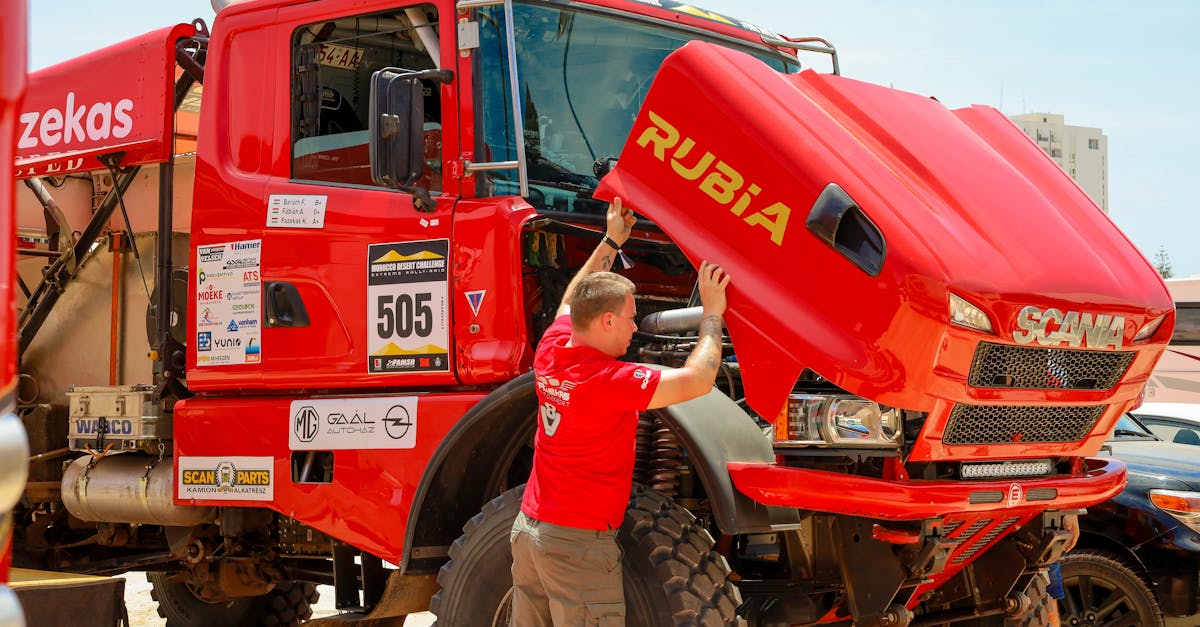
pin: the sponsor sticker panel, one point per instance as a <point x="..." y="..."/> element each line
<point x="407" y="293"/>
<point x="226" y="478"/>
<point x="229" y="304"/>
<point x="353" y="423"/>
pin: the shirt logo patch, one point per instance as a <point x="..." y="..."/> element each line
<point x="644" y="375"/>
<point x="551" y="418"/>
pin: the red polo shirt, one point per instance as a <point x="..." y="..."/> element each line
<point x="584" y="447"/>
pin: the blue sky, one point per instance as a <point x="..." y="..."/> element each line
<point x="1132" y="69"/>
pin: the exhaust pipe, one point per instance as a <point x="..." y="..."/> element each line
<point x="128" y="488"/>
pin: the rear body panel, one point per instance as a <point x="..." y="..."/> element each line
<point x="115" y="99"/>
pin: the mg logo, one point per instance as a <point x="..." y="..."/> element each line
<point x="306" y="423"/>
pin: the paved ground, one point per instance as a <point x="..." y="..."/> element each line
<point x="143" y="611"/>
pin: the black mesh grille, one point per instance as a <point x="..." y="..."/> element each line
<point x="1000" y="366"/>
<point x="984" y="540"/>
<point x="1008" y="424"/>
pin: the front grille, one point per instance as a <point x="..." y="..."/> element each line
<point x="1009" y="424"/>
<point x="1001" y="366"/>
<point x="985" y="539"/>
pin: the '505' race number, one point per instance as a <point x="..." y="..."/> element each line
<point x="401" y="315"/>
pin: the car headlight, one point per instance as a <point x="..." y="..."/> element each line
<point x="1149" y="329"/>
<point x="1183" y="506"/>
<point x="967" y="315"/>
<point x="837" y="420"/>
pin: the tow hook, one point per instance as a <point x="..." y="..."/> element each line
<point x="1017" y="605"/>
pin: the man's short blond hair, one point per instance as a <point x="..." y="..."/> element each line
<point x="597" y="293"/>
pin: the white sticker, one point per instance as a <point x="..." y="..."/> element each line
<point x="226" y="478"/>
<point x="334" y="55"/>
<point x="228" y="304"/>
<point x="297" y="211"/>
<point x="353" y="423"/>
<point x="407" y="288"/>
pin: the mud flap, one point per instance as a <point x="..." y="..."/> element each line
<point x="66" y="599"/>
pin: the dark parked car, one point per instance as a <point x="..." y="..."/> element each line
<point x="1139" y="551"/>
<point x="1173" y="422"/>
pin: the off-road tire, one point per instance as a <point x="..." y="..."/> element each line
<point x="288" y="604"/>
<point x="1038" y="614"/>
<point x="671" y="574"/>
<point x="1108" y="577"/>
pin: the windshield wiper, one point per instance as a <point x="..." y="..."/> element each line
<point x="565" y="185"/>
<point x="1132" y="432"/>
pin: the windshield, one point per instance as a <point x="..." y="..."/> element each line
<point x="583" y="77"/>
<point x="1129" y="428"/>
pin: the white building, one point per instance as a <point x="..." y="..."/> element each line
<point x="1079" y="150"/>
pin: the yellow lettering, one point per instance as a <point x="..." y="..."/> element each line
<point x="253" y="477"/>
<point x="694" y="172"/>
<point x="744" y="201"/>
<point x="777" y="226"/>
<point x="198" y="477"/>
<point x="662" y="135"/>
<point x="722" y="184"/>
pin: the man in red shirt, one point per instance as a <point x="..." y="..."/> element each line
<point x="566" y="561"/>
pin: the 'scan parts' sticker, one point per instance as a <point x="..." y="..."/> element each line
<point x="226" y="478"/>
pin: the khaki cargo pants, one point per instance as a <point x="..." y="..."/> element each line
<point x="565" y="577"/>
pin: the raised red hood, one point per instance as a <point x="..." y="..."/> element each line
<point x="729" y="157"/>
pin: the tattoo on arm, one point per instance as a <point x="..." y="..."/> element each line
<point x="708" y="349"/>
<point x="606" y="262"/>
<point x="710" y="326"/>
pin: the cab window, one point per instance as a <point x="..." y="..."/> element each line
<point x="332" y="63"/>
<point x="582" y="79"/>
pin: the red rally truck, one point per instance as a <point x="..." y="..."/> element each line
<point x="14" y="20"/>
<point x="338" y="229"/>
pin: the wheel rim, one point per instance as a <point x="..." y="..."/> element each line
<point x="1095" y="601"/>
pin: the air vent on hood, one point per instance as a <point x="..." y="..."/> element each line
<point x="838" y="221"/>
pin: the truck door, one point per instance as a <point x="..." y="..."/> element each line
<point x="349" y="279"/>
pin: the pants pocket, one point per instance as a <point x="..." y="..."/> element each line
<point x="604" y="614"/>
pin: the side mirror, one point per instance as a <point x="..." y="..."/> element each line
<point x="396" y="128"/>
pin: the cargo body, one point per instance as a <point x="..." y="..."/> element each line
<point x="339" y="291"/>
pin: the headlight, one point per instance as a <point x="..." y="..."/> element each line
<point x="967" y="315"/>
<point x="1149" y="329"/>
<point x="837" y="420"/>
<point x="1183" y="506"/>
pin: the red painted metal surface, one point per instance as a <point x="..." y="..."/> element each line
<point x="368" y="502"/>
<point x="115" y="99"/>
<point x="239" y="169"/>
<point x="13" y="26"/>
<point x="774" y="484"/>
<point x="966" y="204"/>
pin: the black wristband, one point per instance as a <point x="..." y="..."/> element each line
<point x="608" y="240"/>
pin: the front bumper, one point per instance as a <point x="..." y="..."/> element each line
<point x="822" y="491"/>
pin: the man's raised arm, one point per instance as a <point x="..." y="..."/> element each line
<point x="620" y="226"/>
<point x="698" y="373"/>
